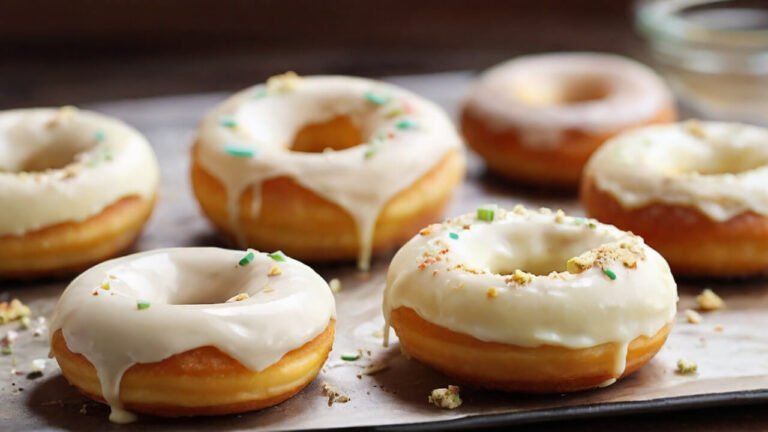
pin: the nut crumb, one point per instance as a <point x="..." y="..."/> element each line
<point x="692" y="316"/>
<point x="709" y="301"/>
<point x="686" y="367"/>
<point x="335" y="285"/>
<point x="520" y="277"/>
<point x="334" y="394"/>
<point x="13" y="310"/>
<point x="275" y="271"/>
<point x="559" y="216"/>
<point x="492" y="293"/>
<point x="239" y="297"/>
<point x="445" y="398"/>
<point x="372" y="369"/>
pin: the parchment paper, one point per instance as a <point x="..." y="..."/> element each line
<point x="730" y="346"/>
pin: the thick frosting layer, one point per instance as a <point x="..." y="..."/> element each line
<point x="719" y="168"/>
<point x="146" y="307"/>
<point x="66" y="165"/>
<point x="534" y="278"/>
<point x="545" y="95"/>
<point x="247" y="139"/>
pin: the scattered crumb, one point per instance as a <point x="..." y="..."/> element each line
<point x="335" y="285"/>
<point x="492" y="293"/>
<point x="275" y="271"/>
<point x="425" y="232"/>
<point x="545" y="210"/>
<point x="283" y="83"/>
<point x="692" y="316"/>
<point x="239" y="297"/>
<point x="709" y="301"/>
<point x="520" y="277"/>
<point x="520" y="210"/>
<point x="694" y="128"/>
<point x="378" y="334"/>
<point x="334" y="394"/>
<point x="84" y="409"/>
<point x="13" y="310"/>
<point x="686" y="367"/>
<point x="268" y="289"/>
<point x="559" y="216"/>
<point x="445" y="398"/>
<point x="373" y="369"/>
<point x="719" y="327"/>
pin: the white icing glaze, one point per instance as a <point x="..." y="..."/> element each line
<point x="187" y="289"/>
<point x="63" y="165"/>
<point x="578" y="310"/>
<point x="267" y="120"/>
<point x="719" y="168"/>
<point x="526" y="94"/>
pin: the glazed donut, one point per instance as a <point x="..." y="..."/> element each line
<point x="528" y="301"/>
<point x="193" y="331"/>
<point x="281" y="166"/>
<point x="696" y="191"/>
<point x="538" y="118"/>
<point x="76" y="187"/>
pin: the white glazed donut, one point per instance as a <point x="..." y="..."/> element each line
<point x="530" y="301"/>
<point x="696" y="191"/>
<point x="389" y="163"/>
<point x="539" y="112"/>
<point x="193" y="331"/>
<point x="75" y="187"/>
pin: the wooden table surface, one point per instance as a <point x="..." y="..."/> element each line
<point x="54" y="53"/>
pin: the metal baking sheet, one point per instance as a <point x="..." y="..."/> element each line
<point x="730" y="346"/>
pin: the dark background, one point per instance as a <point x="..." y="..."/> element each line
<point x="67" y="52"/>
<point x="56" y="51"/>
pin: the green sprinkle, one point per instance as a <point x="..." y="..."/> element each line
<point x="373" y="148"/>
<point x="453" y="235"/>
<point x="141" y="305"/>
<point x="247" y="259"/>
<point x="105" y="286"/>
<point x="611" y="275"/>
<point x="579" y="221"/>
<point x="486" y="213"/>
<point x="260" y="93"/>
<point x="228" y="122"/>
<point x="99" y="136"/>
<point x="277" y="256"/>
<point x="376" y="99"/>
<point x="350" y="356"/>
<point x="238" y="151"/>
<point x="406" y="124"/>
<point x="7" y="350"/>
<point x="592" y="225"/>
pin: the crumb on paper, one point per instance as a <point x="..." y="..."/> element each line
<point x="239" y="297"/>
<point x="40" y="326"/>
<point x="719" y="327"/>
<point x="686" y="367"/>
<point x="373" y="369"/>
<point x="334" y="394"/>
<point x="709" y="301"/>
<point x="335" y="285"/>
<point x="13" y="310"/>
<point x="692" y="316"/>
<point x="378" y="334"/>
<point x="446" y="398"/>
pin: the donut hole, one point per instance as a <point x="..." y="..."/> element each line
<point x="539" y="249"/>
<point x="49" y="149"/>
<point x="339" y="133"/>
<point x="562" y="91"/>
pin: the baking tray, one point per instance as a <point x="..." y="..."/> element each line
<point x="730" y="346"/>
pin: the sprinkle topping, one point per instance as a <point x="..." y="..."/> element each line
<point x="247" y="259"/>
<point x="100" y="136"/>
<point x="239" y="151"/>
<point x="141" y="305"/>
<point x="228" y="122"/>
<point x="608" y="272"/>
<point x="486" y="213"/>
<point x="350" y="356"/>
<point x="453" y="235"/>
<point x="376" y="99"/>
<point x="277" y="256"/>
<point x="406" y="124"/>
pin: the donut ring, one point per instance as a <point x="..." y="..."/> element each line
<point x="695" y="191"/>
<point x="475" y="299"/>
<point x="76" y="188"/>
<point x="203" y="331"/>
<point x="280" y="166"/>
<point x="538" y="118"/>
